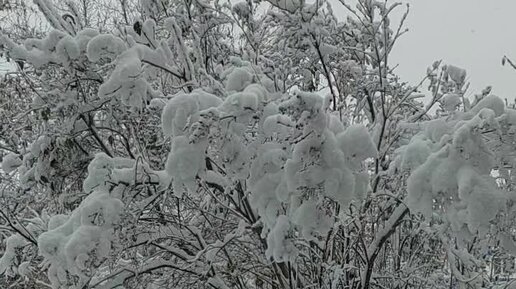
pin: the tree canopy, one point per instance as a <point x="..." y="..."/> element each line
<point x="253" y="144"/>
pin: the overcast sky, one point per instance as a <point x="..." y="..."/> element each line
<point x="472" y="34"/>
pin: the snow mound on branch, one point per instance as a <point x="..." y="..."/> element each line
<point x="450" y="101"/>
<point x="280" y="246"/>
<point x="415" y="154"/>
<point x="242" y="106"/>
<point x="61" y="48"/>
<point x="312" y="220"/>
<point x="83" y="37"/>
<point x="428" y="180"/>
<point x="335" y="125"/>
<point x="10" y="162"/>
<point x="13" y="243"/>
<point x="100" y="171"/>
<point x="185" y="161"/>
<point x="481" y="199"/>
<point x="184" y="109"/>
<point x="238" y="79"/>
<point x="104" y="46"/>
<point x="258" y="91"/>
<point x="46" y="44"/>
<point x="67" y="50"/>
<point x="434" y="130"/>
<point x="236" y="156"/>
<point x="83" y="240"/>
<point x="457" y="175"/>
<point x="265" y="197"/>
<point x="492" y="102"/>
<point x="302" y="101"/>
<point x="357" y="145"/>
<point x="104" y="171"/>
<point x="127" y="81"/>
<point x="277" y="125"/>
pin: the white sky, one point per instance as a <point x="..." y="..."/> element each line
<point x="472" y="34"/>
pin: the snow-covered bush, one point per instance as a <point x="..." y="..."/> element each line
<point x="209" y="145"/>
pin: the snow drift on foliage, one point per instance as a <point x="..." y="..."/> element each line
<point x="302" y="155"/>
<point x="451" y="168"/>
